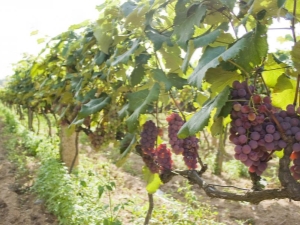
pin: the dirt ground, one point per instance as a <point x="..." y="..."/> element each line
<point x="17" y="205"/>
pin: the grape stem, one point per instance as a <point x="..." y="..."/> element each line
<point x="177" y="106"/>
<point x="238" y="66"/>
<point x="293" y="22"/>
<point x="297" y="90"/>
<point x="150" y="209"/>
<point x="265" y="85"/>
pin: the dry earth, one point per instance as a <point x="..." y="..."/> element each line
<point x="17" y="205"/>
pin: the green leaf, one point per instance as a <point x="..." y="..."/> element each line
<point x="206" y="39"/>
<point x="126" y="152"/>
<point x="137" y="75"/>
<point x="254" y="50"/>
<point x="272" y="71"/>
<point x="153" y="180"/>
<point x="283" y="92"/>
<point x="157" y="38"/>
<point x="280" y="3"/>
<point x="145" y="100"/>
<point x="280" y="153"/>
<point x="160" y="76"/>
<point x="125" y="57"/>
<point x="176" y="80"/>
<point x="189" y="53"/>
<point x="217" y="126"/>
<point x="103" y="35"/>
<point x="295" y="53"/>
<point x="185" y="21"/>
<point x="94" y="106"/>
<point x="201" y="118"/>
<point x="219" y="79"/>
<point x="228" y="3"/>
<point x="79" y="25"/>
<point x="99" y="58"/>
<point x="100" y="191"/>
<point x="209" y="59"/>
<point x="212" y="57"/>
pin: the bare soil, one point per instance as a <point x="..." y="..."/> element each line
<point x="17" y="205"/>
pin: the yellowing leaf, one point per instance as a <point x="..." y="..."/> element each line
<point x="284" y="91"/>
<point x="152" y="179"/>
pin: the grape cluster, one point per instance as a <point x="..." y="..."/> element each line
<point x="97" y="138"/>
<point x="150" y="162"/>
<point x="190" y="146"/>
<point x="163" y="157"/>
<point x="148" y="137"/>
<point x="187" y="147"/>
<point x="252" y="131"/>
<point x="258" y="129"/>
<point x="175" y="123"/>
<point x="156" y="159"/>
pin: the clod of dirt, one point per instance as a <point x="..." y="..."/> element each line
<point x="2" y="204"/>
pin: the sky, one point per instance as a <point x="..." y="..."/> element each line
<point x="18" y="18"/>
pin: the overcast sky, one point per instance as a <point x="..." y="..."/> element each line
<point x="18" y="18"/>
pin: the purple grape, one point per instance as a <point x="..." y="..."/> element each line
<point x="243" y="157"/>
<point x="242" y="93"/>
<point x="282" y="144"/>
<point x="270" y="129"/>
<point x="276" y="136"/>
<point x="238" y="149"/>
<point x="269" y="138"/>
<point x="253" y="144"/>
<point x="255" y="136"/>
<point x="242" y="139"/>
<point x="270" y="146"/>
<point x="296" y="147"/>
<point x="246" y="149"/>
<point x="297" y="136"/>
<point x="241" y="130"/>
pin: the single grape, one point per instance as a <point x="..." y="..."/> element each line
<point x="256" y="99"/>
<point x="267" y="100"/>
<point x="253" y="144"/>
<point x="297" y="136"/>
<point x="270" y="129"/>
<point x="296" y="147"/>
<point x="245" y="109"/>
<point x="251" y="116"/>
<point x="269" y="138"/>
<point x="237" y="107"/>
<point x="242" y="93"/>
<point x="246" y="149"/>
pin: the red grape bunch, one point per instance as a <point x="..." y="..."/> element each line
<point x="190" y="146"/>
<point x="156" y="159"/>
<point x="148" y="137"/>
<point x="252" y="131"/>
<point x="164" y="157"/>
<point x="175" y="123"/>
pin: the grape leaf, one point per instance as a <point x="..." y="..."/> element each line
<point x="219" y="79"/>
<point x="124" y="57"/>
<point x="160" y="76"/>
<point x="254" y="50"/>
<point x="93" y="106"/>
<point x="125" y="153"/>
<point x="157" y="38"/>
<point x="295" y="53"/>
<point x="152" y="179"/>
<point x="137" y="75"/>
<point x="144" y="100"/>
<point x="212" y="56"/>
<point x="103" y="35"/>
<point x="186" y="20"/>
<point x="283" y="92"/>
<point x="272" y="71"/>
<point x="201" y="118"/>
